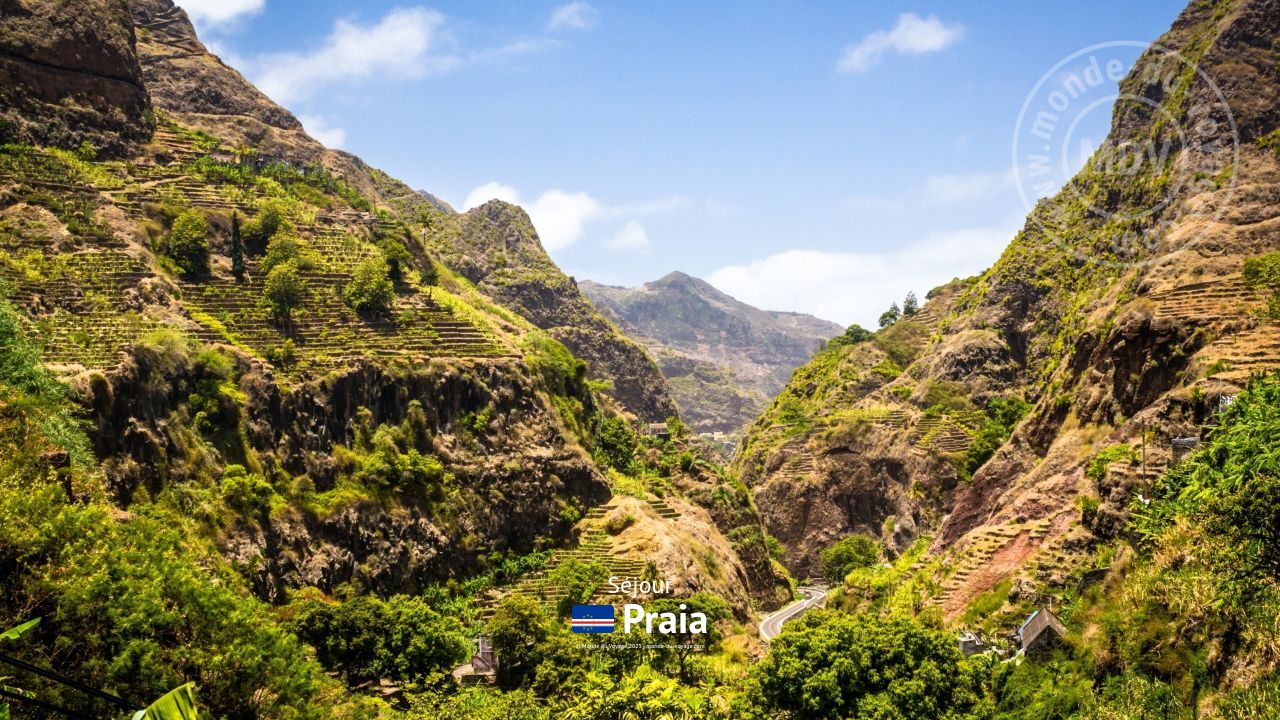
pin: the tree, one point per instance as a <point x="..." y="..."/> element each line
<point x="829" y="665"/>
<point x="853" y="552"/>
<point x="366" y="638"/>
<point x="890" y="316"/>
<point x="1263" y="273"/>
<point x="396" y="255"/>
<point x="429" y="274"/>
<point x="237" y="248"/>
<point x="853" y="335"/>
<point x="188" y="244"/>
<point x="284" y="290"/>
<point x="910" y="306"/>
<point x="676" y="648"/>
<point x="284" y="247"/>
<point x="263" y="227"/>
<point x="518" y="629"/>
<point x="370" y="290"/>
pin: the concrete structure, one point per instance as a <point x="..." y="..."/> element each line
<point x="483" y="667"/>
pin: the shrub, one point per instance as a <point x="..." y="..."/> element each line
<point x="1097" y="468"/>
<point x="862" y="666"/>
<point x="248" y="493"/>
<point x="370" y="289"/>
<point x="263" y="227"/>
<point x="367" y="639"/>
<point x="188" y="244"/>
<point x="284" y="289"/>
<point x="849" y="554"/>
<point x="287" y="247"/>
<point x="1263" y="273"/>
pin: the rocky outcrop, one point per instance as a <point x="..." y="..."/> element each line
<point x="510" y="480"/>
<point x="496" y="247"/>
<point x="69" y="74"/>
<point x="723" y="358"/>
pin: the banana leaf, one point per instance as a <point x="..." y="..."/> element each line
<point x="18" y="632"/>
<point x="179" y="704"/>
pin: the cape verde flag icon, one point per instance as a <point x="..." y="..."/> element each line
<point x="592" y="618"/>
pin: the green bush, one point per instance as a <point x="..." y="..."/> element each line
<point x="1263" y="273"/>
<point x="849" y="554"/>
<point x="188" y="244"/>
<point x="284" y="289"/>
<point x="363" y="639"/>
<point x="370" y="290"/>
<point x="829" y="665"/>
<point x="248" y="493"/>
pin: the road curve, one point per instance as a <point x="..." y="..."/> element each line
<point x="811" y="597"/>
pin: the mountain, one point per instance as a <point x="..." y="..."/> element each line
<point x="724" y="359"/>
<point x="1014" y="399"/>
<point x="248" y="379"/>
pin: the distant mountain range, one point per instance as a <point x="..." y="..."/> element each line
<point x="723" y="358"/>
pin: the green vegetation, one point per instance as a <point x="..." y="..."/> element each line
<point x="188" y="244"/>
<point x="366" y="639"/>
<point x="1002" y="414"/>
<point x="1263" y="274"/>
<point x="237" y="248"/>
<point x="833" y="666"/>
<point x="370" y="290"/>
<point x="284" y="290"/>
<point x="851" y="553"/>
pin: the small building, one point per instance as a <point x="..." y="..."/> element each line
<point x="1041" y="632"/>
<point x="658" y="430"/>
<point x="1184" y="445"/>
<point x="972" y="644"/>
<point x="483" y="667"/>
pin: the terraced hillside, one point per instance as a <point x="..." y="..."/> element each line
<point x="76" y="255"/>
<point x="1000" y="419"/>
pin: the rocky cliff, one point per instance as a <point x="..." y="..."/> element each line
<point x="71" y="75"/>
<point x="1016" y="415"/>
<point x="496" y="247"/>
<point x="724" y="359"/>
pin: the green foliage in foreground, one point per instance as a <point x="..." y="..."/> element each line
<point x="833" y="665"/>
<point x="366" y="638"/>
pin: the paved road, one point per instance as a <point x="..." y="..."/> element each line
<point x="810" y="597"/>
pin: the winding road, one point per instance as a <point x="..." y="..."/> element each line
<point x="811" y="597"/>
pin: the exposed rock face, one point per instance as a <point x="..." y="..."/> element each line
<point x="496" y="247"/>
<point x="1129" y="353"/>
<point x="723" y="358"/>
<point x="69" y="74"/>
<point x="511" y="480"/>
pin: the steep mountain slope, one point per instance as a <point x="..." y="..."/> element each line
<point x="496" y="247"/>
<point x="723" y="358"/>
<point x="272" y="363"/>
<point x="1111" y="352"/>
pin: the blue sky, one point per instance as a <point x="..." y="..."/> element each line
<point x="824" y="157"/>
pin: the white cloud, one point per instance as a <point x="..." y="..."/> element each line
<point x="320" y="129"/>
<point x="561" y="217"/>
<point x="575" y="15"/>
<point x="911" y="35"/>
<point x="491" y="191"/>
<point x="631" y="236"/>
<point x="402" y="45"/>
<point x="218" y="12"/>
<point x="851" y="287"/>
